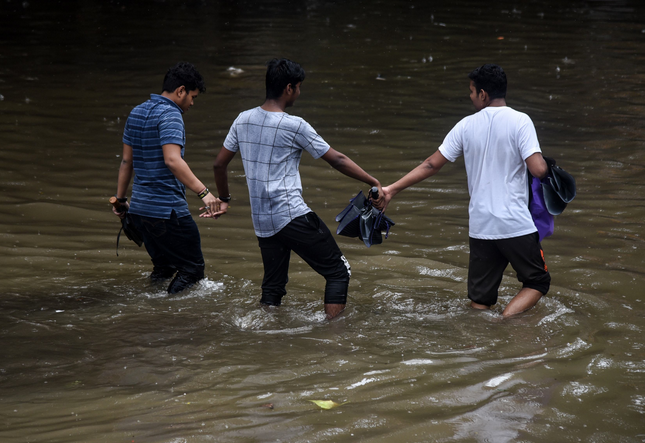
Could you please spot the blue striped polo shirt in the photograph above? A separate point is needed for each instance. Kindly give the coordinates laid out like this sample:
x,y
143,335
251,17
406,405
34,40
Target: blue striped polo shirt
x,y
156,192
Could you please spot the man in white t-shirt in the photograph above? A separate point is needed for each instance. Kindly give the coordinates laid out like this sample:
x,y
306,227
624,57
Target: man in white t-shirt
x,y
498,144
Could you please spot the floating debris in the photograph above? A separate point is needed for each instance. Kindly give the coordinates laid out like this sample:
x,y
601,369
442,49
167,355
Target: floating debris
x,y
327,404
234,72
380,77
496,381
268,406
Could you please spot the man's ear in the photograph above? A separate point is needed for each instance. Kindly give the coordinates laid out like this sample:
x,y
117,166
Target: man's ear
x,y
180,91
483,95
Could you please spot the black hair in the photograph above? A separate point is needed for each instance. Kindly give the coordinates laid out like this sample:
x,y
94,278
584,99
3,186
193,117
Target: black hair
x,y
183,74
490,78
280,73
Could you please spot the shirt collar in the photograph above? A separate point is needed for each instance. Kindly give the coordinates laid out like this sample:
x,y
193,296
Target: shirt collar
x,y
161,98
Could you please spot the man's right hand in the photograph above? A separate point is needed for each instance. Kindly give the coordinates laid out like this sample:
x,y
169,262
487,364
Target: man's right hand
x,y
122,210
223,209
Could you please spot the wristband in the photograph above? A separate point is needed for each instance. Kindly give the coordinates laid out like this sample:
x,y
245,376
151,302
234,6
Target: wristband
x,y
204,193
225,199
121,199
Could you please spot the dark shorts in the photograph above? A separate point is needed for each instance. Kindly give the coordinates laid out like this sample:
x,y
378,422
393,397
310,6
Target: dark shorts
x,y
489,258
173,244
309,237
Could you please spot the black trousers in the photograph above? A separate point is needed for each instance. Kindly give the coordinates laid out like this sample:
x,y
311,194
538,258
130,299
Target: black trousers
x,y
489,258
173,244
309,237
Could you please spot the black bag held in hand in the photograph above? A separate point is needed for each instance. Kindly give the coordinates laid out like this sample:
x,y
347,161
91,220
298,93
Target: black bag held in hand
x,y
127,226
360,219
130,231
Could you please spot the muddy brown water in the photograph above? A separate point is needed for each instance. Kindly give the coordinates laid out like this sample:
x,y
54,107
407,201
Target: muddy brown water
x,y
90,352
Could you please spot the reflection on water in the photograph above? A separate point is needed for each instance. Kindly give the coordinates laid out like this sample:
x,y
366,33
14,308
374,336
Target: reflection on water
x,y
91,352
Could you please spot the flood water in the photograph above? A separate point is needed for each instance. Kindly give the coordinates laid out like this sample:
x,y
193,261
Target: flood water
x,y
90,352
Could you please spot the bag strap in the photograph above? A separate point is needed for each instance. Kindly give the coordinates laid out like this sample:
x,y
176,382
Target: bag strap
x,y
118,236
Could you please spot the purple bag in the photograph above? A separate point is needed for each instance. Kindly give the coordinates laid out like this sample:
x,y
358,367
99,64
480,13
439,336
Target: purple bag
x,y
537,207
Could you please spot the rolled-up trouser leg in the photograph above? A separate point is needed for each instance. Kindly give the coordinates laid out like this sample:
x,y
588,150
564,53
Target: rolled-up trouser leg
x,y
336,291
310,238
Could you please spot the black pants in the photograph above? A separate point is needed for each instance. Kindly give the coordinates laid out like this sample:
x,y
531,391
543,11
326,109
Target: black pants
x,y
174,245
489,258
309,237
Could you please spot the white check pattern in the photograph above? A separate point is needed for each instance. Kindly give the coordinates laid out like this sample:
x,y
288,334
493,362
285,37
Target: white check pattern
x,y
271,145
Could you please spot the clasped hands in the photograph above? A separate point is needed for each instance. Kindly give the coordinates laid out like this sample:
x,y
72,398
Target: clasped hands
x,y
213,206
384,197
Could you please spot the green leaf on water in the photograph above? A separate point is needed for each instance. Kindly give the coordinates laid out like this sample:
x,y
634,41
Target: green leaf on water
x,y
327,404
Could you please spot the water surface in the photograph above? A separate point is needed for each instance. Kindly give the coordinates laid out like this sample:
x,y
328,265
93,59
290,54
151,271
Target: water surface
x,y
92,352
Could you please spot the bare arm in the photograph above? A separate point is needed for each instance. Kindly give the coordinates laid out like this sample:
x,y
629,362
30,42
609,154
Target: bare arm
x,y
428,168
537,166
346,165
181,170
125,175
125,172
220,169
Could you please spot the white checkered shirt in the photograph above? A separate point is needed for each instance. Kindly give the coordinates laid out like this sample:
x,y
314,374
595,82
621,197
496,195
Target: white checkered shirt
x,y
271,144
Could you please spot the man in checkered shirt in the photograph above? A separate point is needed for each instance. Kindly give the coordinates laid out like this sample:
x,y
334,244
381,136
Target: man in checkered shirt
x,y
271,143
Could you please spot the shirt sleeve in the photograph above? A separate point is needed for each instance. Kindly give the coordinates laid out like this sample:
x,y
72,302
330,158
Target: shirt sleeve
x,y
527,141
453,145
231,143
127,138
308,139
171,129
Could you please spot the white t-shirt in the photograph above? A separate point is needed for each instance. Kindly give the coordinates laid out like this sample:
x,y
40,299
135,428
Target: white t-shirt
x,y
495,143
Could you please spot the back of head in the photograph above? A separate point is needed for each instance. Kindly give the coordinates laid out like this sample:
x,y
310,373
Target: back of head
x,y
280,73
490,78
183,74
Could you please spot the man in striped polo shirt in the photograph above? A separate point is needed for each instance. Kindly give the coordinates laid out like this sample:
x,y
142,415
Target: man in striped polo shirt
x,y
154,142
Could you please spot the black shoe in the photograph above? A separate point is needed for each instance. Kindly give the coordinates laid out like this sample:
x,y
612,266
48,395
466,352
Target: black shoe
x,y
181,282
161,274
